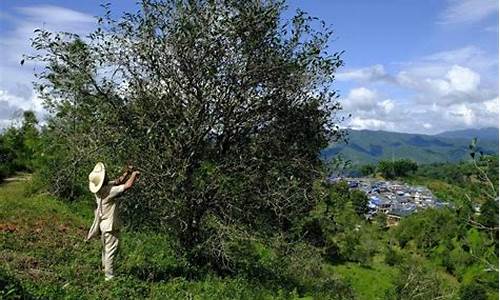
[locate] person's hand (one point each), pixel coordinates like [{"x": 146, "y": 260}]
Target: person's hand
[{"x": 136, "y": 173}]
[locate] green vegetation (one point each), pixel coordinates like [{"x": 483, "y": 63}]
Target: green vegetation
[
  {"x": 227, "y": 139},
  {"x": 465, "y": 175},
  {"x": 43, "y": 254},
  {"x": 18, "y": 146},
  {"x": 396, "y": 168},
  {"x": 442, "y": 253},
  {"x": 369, "y": 146},
  {"x": 370, "y": 282}
]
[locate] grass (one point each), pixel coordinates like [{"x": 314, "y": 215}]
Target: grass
[
  {"x": 43, "y": 255},
  {"x": 371, "y": 282}
]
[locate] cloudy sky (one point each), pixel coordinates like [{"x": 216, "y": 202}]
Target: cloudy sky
[{"x": 419, "y": 66}]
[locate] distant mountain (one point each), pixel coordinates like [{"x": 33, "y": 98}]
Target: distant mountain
[
  {"x": 490, "y": 133},
  {"x": 367, "y": 146}
]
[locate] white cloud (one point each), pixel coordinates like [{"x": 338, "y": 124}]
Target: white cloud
[
  {"x": 455, "y": 56},
  {"x": 458, "y": 84},
  {"x": 462, "y": 79},
  {"x": 387, "y": 105},
  {"x": 371, "y": 73},
  {"x": 491, "y": 106},
  {"x": 360, "y": 98},
  {"x": 55, "y": 14},
  {"x": 13, "y": 105},
  {"x": 13, "y": 100},
  {"x": 359, "y": 123},
  {"x": 463, "y": 112},
  {"x": 493, "y": 29},
  {"x": 437, "y": 64},
  {"x": 417, "y": 118},
  {"x": 16, "y": 80},
  {"x": 450, "y": 102},
  {"x": 447, "y": 90},
  {"x": 468, "y": 11}
]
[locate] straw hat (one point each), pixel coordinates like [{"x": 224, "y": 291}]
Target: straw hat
[{"x": 96, "y": 177}]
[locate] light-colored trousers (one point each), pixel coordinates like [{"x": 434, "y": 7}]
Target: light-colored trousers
[{"x": 109, "y": 250}]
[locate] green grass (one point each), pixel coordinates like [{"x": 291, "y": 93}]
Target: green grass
[
  {"x": 370, "y": 283},
  {"x": 43, "y": 255}
]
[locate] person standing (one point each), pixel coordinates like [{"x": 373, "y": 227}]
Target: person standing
[{"x": 106, "y": 219}]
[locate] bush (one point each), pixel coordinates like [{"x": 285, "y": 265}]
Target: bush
[
  {"x": 151, "y": 257},
  {"x": 393, "y": 256},
  {"x": 472, "y": 291},
  {"x": 335, "y": 226},
  {"x": 418, "y": 282}
]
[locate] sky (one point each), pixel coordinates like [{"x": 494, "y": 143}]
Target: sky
[{"x": 416, "y": 66}]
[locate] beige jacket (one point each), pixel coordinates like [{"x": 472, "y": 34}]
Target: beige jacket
[{"x": 106, "y": 217}]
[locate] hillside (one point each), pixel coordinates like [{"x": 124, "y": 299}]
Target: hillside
[
  {"x": 367, "y": 146},
  {"x": 43, "y": 256},
  {"x": 483, "y": 134}
]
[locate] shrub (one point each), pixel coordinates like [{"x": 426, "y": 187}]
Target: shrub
[{"x": 472, "y": 291}]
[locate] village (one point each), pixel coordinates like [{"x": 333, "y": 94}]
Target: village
[{"x": 393, "y": 198}]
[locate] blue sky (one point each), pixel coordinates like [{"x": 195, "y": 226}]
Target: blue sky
[{"x": 420, "y": 66}]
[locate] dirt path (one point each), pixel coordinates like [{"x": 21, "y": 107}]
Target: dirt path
[{"x": 18, "y": 177}]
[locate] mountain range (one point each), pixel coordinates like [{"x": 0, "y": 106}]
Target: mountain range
[{"x": 369, "y": 146}]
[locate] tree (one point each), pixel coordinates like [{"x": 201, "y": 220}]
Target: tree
[
  {"x": 222, "y": 105},
  {"x": 387, "y": 169},
  {"x": 338, "y": 229},
  {"x": 367, "y": 170},
  {"x": 30, "y": 140},
  {"x": 397, "y": 168},
  {"x": 18, "y": 146},
  {"x": 360, "y": 202}
]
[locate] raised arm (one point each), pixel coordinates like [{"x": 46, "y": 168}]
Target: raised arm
[
  {"x": 131, "y": 180},
  {"x": 121, "y": 179}
]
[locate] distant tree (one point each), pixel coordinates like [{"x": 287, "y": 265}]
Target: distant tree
[
  {"x": 403, "y": 167},
  {"x": 387, "y": 169},
  {"x": 30, "y": 140},
  {"x": 18, "y": 146},
  {"x": 223, "y": 105},
  {"x": 397, "y": 168},
  {"x": 359, "y": 201},
  {"x": 367, "y": 170},
  {"x": 380, "y": 221}
]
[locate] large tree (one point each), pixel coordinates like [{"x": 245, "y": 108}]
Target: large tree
[{"x": 223, "y": 105}]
